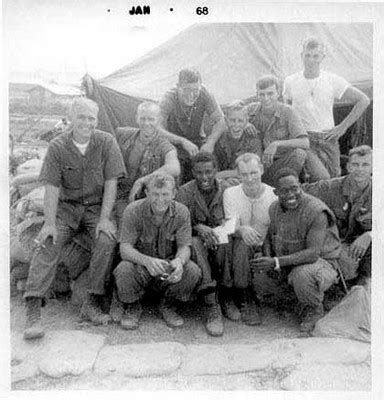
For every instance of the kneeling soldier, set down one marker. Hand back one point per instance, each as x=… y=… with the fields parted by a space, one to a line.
x=155 y=245
x=305 y=245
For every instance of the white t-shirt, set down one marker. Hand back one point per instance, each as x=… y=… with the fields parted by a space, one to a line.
x=82 y=147
x=313 y=99
x=240 y=206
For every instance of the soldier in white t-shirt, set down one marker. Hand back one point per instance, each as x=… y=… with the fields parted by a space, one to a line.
x=249 y=203
x=312 y=93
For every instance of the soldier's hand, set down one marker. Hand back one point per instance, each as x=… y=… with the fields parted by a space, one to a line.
x=190 y=147
x=264 y=264
x=108 y=227
x=335 y=133
x=269 y=153
x=46 y=232
x=251 y=130
x=250 y=236
x=360 y=246
x=156 y=266
x=177 y=273
x=207 y=147
x=207 y=235
x=136 y=189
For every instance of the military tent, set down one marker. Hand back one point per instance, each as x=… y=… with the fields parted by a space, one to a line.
x=230 y=57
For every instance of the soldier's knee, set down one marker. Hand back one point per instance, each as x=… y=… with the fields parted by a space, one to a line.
x=300 y=155
x=192 y=271
x=299 y=276
x=105 y=242
x=124 y=270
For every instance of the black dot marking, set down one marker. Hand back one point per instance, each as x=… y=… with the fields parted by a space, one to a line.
x=171 y=9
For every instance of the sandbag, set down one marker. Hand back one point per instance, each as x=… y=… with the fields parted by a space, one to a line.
x=30 y=166
x=31 y=205
x=350 y=319
x=23 y=243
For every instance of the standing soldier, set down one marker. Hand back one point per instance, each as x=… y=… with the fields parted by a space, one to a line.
x=312 y=93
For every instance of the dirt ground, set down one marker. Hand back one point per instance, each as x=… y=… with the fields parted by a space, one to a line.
x=61 y=314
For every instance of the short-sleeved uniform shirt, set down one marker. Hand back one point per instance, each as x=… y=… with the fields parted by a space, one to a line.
x=139 y=159
x=212 y=214
x=313 y=99
x=351 y=206
x=81 y=178
x=228 y=148
x=187 y=121
x=285 y=124
x=140 y=230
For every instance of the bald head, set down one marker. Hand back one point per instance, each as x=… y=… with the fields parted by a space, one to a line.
x=84 y=119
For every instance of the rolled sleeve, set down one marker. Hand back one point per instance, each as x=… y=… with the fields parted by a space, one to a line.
x=339 y=85
x=51 y=169
x=212 y=108
x=114 y=164
x=129 y=232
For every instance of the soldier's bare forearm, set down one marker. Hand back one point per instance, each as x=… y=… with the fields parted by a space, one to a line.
x=109 y=198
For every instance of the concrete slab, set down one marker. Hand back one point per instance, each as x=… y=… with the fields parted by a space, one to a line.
x=140 y=360
x=329 y=377
x=69 y=352
x=225 y=359
x=320 y=351
x=25 y=356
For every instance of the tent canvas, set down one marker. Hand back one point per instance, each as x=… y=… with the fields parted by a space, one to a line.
x=230 y=57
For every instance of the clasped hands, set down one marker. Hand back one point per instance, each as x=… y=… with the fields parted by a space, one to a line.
x=170 y=271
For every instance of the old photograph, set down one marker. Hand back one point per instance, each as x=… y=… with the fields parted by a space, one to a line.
x=190 y=196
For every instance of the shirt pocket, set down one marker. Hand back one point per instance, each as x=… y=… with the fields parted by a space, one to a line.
x=72 y=177
x=95 y=171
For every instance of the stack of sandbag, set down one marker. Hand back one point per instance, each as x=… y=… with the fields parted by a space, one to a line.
x=26 y=179
x=351 y=318
x=73 y=261
x=30 y=205
x=28 y=200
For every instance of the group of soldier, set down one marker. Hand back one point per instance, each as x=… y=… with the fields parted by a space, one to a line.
x=154 y=198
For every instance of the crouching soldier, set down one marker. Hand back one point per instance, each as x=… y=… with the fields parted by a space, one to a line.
x=80 y=172
x=155 y=244
x=350 y=198
x=248 y=203
x=305 y=248
x=204 y=198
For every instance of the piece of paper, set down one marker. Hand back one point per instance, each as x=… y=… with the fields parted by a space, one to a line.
x=228 y=228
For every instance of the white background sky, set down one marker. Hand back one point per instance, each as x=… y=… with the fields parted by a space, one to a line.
x=73 y=37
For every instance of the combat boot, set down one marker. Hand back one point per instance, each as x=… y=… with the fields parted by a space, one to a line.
x=131 y=317
x=214 y=318
x=248 y=308
x=33 y=329
x=228 y=306
x=310 y=316
x=169 y=314
x=91 y=311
